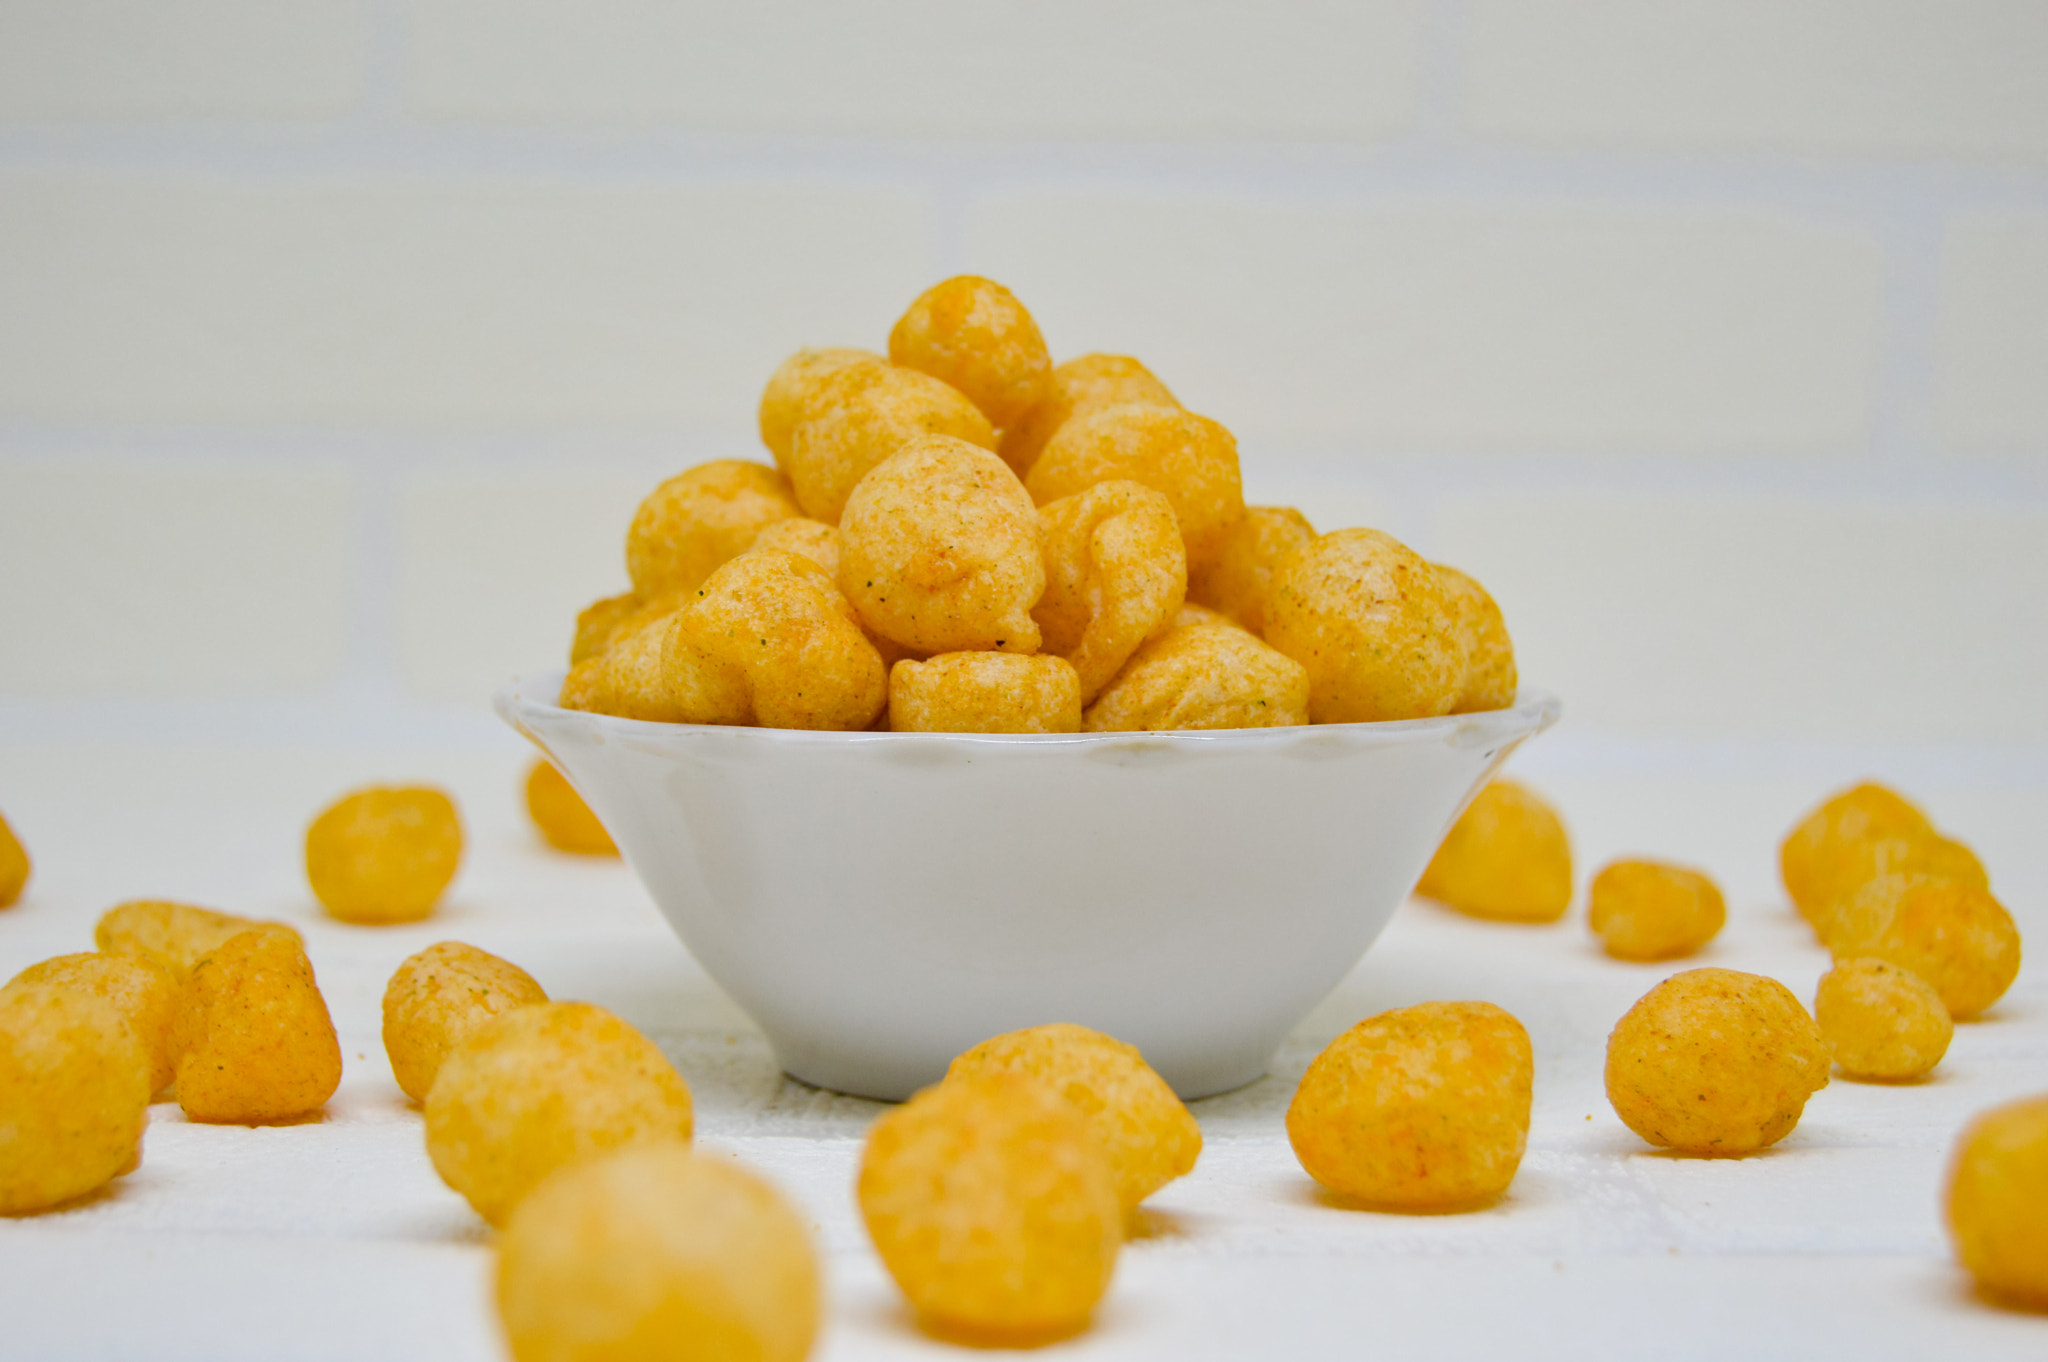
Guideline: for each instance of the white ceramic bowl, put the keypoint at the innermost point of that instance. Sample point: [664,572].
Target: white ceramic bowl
[878,902]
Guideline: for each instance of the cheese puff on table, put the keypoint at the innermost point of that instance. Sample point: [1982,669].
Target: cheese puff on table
[699,519]
[1490,674]
[859,416]
[972,334]
[14,865]
[1204,672]
[1998,1202]
[1507,857]
[1237,581]
[1882,1022]
[792,386]
[1647,910]
[1189,459]
[1078,387]
[440,997]
[1857,814]
[74,1093]
[140,989]
[176,936]
[1115,576]
[985,693]
[562,816]
[1847,867]
[255,1041]
[1951,933]
[384,854]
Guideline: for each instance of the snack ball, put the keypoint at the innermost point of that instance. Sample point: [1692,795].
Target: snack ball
[562,816]
[1998,1202]
[1115,575]
[384,854]
[255,1042]
[176,936]
[1882,1021]
[539,1086]
[74,1092]
[654,1253]
[1850,866]
[1373,624]
[792,385]
[1238,579]
[1714,1061]
[859,416]
[994,1207]
[1491,678]
[1078,387]
[806,538]
[972,334]
[700,519]
[14,865]
[1424,1108]
[1149,1134]
[1953,934]
[1853,815]
[1203,673]
[142,991]
[630,680]
[939,551]
[1647,910]
[985,693]
[439,998]
[1506,857]
[1188,459]
[600,623]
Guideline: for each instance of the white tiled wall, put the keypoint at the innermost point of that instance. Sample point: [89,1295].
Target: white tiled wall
[337,338]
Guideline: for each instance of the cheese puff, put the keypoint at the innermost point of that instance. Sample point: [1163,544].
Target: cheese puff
[74,1093]
[541,1086]
[1507,857]
[14,865]
[1951,933]
[939,551]
[792,386]
[1202,673]
[141,990]
[1847,866]
[1189,459]
[1858,814]
[1424,1108]
[255,1041]
[653,1254]
[1714,1061]
[1115,576]
[440,997]
[632,679]
[859,416]
[1646,910]
[985,693]
[1490,676]
[384,854]
[562,816]
[1882,1022]
[1997,1202]
[994,1207]
[1238,579]
[972,334]
[1078,387]
[1149,1134]
[806,538]
[1374,626]
[176,936]
[600,623]
[699,519]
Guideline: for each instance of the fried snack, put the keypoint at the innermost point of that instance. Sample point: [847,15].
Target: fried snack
[1850,866]
[1714,1061]
[254,1040]
[1078,387]
[985,693]
[939,551]
[1423,1108]
[1647,910]
[539,1086]
[793,384]
[1189,459]
[141,990]
[1998,1202]
[1204,673]
[1237,580]
[562,816]
[700,519]
[655,1253]
[1490,675]
[605,622]
[384,854]
[1858,814]
[806,538]
[859,416]
[176,936]
[1883,1022]
[630,680]
[14,865]
[1373,624]
[1148,1132]
[439,998]
[1115,576]
[994,1208]
[973,334]
[74,1092]
[1506,857]
[1953,934]
[776,621]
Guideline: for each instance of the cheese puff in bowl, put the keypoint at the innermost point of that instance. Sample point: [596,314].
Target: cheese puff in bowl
[1078,387]
[972,334]
[858,416]
[1115,576]
[1237,580]
[1189,459]
[700,519]
[1203,673]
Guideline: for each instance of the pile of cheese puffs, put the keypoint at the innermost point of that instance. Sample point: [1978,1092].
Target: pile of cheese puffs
[963,537]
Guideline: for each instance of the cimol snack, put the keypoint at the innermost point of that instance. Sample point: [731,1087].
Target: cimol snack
[1238,579]
[1506,857]
[1998,1202]
[253,1036]
[1202,673]
[384,854]
[1079,386]
[1115,576]
[74,1092]
[974,336]
[1860,835]
[439,998]
[699,520]
[176,936]
[858,416]
[791,386]
[143,992]
[985,693]
[14,865]
[1189,459]
[1953,934]
[812,539]
[1881,1021]
[1490,673]
[1648,910]
[562,816]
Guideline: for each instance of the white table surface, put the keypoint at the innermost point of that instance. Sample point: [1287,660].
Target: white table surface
[334,1238]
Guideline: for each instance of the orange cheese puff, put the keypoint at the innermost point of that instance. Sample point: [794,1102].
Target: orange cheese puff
[973,334]
[1238,579]
[697,520]
[1205,672]
[1854,815]
[562,816]
[14,865]
[1998,1202]
[255,1042]
[1506,857]
[141,990]
[630,680]
[1490,676]
[1882,1022]
[1115,576]
[1646,910]
[1078,387]
[985,693]
[439,998]
[74,1092]
[605,622]
[859,416]
[1953,934]
[176,936]
[1189,459]
[1847,867]
[806,538]
[384,854]
[790,388]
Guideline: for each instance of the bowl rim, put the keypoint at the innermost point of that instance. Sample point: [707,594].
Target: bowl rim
[1533,711]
